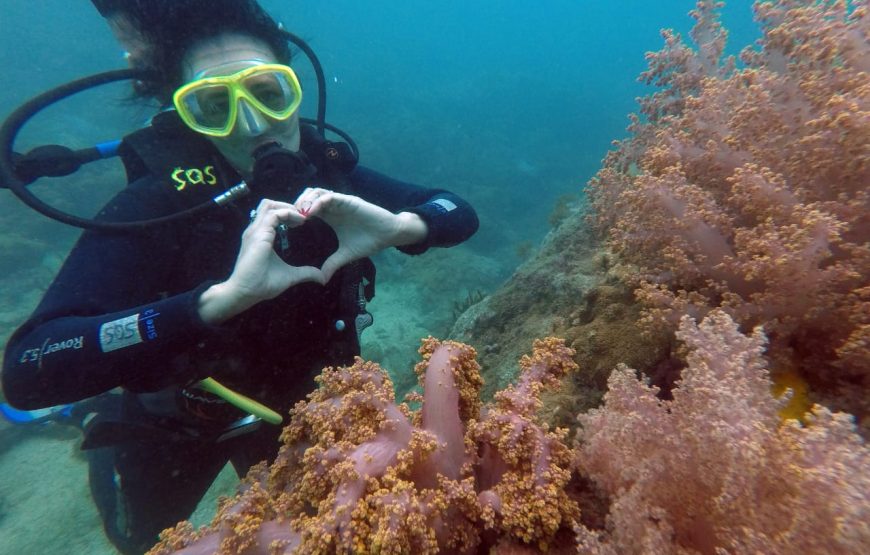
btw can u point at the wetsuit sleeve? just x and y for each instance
(449, 218)
(103, 322)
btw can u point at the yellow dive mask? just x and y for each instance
(211, 105)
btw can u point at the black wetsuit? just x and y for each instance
(122, 312)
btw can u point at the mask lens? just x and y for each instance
(272, 89)
(209, 105)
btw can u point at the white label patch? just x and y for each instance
(120, 333)
(444, 203)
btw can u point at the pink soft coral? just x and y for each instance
(715, 470)
(746, 188)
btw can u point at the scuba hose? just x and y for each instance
(63, 161)
(18, 171)
(240, 401)
(320, 121)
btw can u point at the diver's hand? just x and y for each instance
(363, 228)
(259, 273)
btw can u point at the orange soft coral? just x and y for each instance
(359, 473)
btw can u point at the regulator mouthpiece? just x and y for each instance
(275, 166)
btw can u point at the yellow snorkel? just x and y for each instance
(241, 401)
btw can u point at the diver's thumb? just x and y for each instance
(310, 273)
(332, 265)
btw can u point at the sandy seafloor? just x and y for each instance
(47, 509)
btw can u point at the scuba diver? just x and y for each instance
(212, 325)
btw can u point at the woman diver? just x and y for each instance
(244, 303)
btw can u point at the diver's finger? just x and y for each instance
(320, 204)
(309, 198)
(267, 205)
(310, 193)
(264, 208)
(270, 213)
(290, 216)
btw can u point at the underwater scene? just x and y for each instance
(622, 291)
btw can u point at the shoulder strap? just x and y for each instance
(333, 159)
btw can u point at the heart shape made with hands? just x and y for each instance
(362, 228)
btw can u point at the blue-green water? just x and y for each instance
(510, 104)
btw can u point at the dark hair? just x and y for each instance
(107, 7)
(171, 27)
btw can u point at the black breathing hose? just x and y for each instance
(13, 124)
(320, 120)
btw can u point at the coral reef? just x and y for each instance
(715, 470)
(745, 188)
(537, 300)
(359, 473)
(570, 288)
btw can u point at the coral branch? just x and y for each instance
(746, 188)
(359, 473)
(714, 470)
